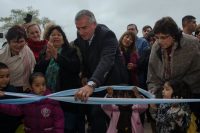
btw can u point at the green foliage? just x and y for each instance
(44, 21)
(17, 17)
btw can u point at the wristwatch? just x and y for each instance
(92, 84)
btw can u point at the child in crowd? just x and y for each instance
(8, 124)
(42, 116)
(172, 117)
(124, 118)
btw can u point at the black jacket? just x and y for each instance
(69, 63)
(102, 61)
(68, 77)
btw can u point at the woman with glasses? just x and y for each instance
(174, 56)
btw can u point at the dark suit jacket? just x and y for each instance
(102, 61)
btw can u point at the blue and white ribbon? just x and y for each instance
(67, 96)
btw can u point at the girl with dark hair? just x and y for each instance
(175, 117)
(41, 116)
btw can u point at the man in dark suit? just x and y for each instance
(101, 62)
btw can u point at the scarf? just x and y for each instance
(52, 73)
(20, 66)
(167, 57)
(167, 69)
(36, 47)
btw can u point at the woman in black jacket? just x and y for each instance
(61, 66)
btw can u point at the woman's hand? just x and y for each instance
(51, 50)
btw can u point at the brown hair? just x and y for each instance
(132, 46)
(146, 27)
(167, 25)
(16, 32)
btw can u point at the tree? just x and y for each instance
(17, 17)
(44, 21)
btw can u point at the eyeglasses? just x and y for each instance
(162, 37)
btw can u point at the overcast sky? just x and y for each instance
(116, 14)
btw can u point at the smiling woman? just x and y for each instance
(34, 39)
(18, 56)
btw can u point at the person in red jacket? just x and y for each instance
(34, 39)
(41, 116)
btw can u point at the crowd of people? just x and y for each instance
(165, 62)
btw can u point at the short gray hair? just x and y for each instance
(85, 13)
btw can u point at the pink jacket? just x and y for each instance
(113, 112)
(44, 116)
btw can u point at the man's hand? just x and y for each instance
(83, 93)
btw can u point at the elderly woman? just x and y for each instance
(174, 56)
(18, 57)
